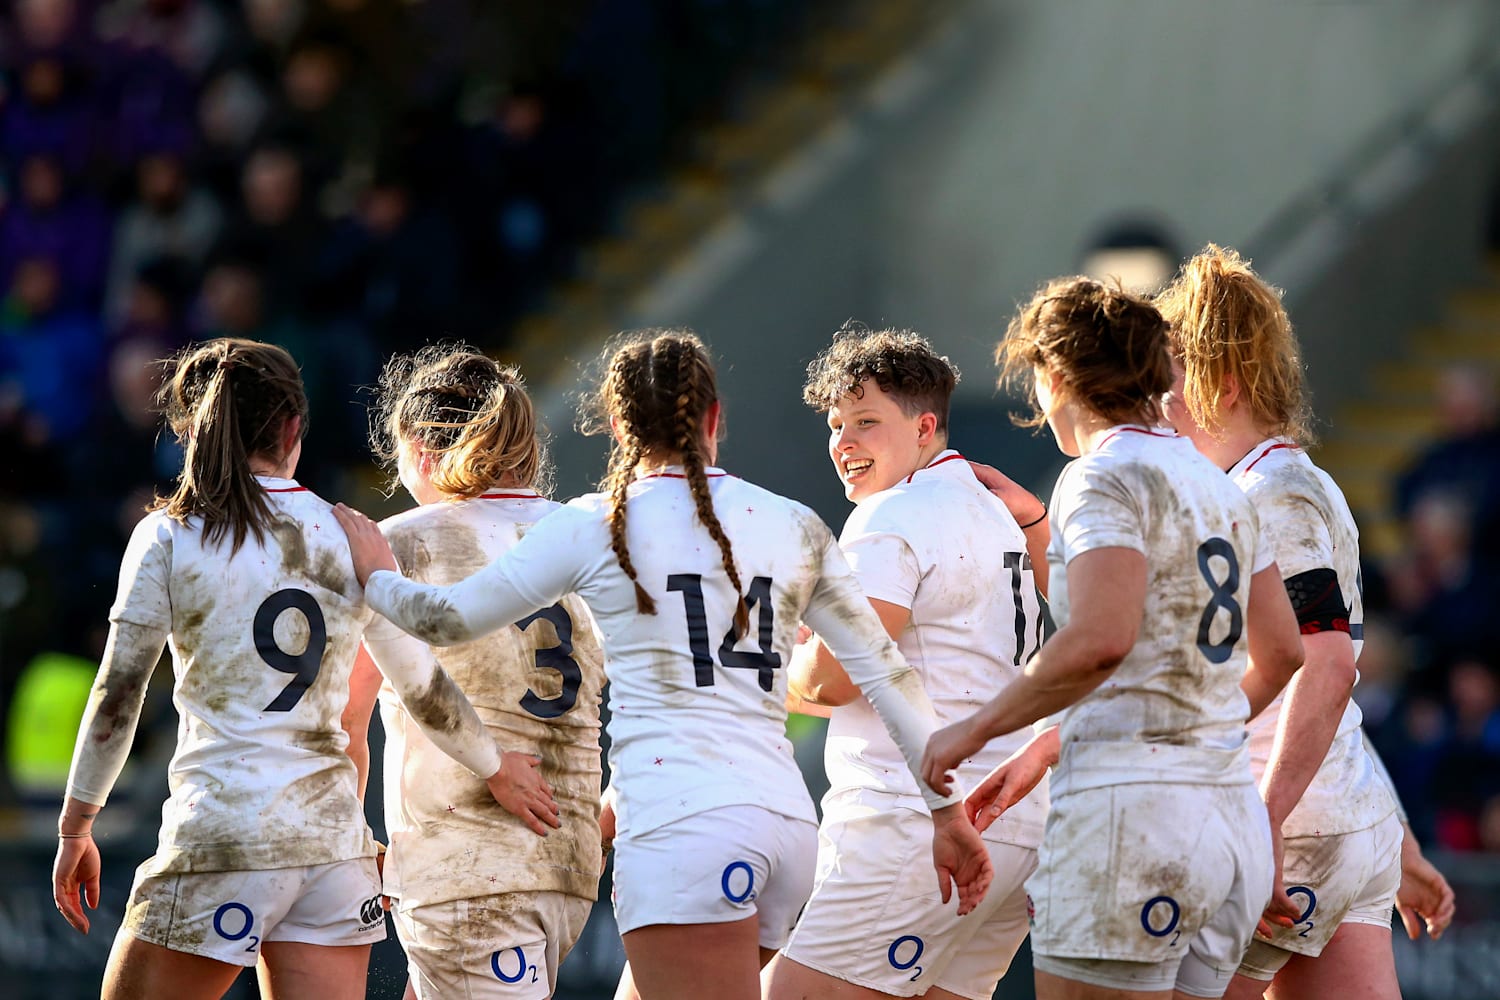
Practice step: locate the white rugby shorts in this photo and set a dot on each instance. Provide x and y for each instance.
(227, 915)
(507, 946)
(876, 919)
(1151, 886)
(1344, 878)
(717, 866)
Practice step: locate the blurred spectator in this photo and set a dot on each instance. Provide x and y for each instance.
(69, 227)
(50, 355)
(1445, 593)
(1467, 771)
(191, 33)
(277, 224)
(398, 264)
(1464, 462)
(169, 218)
(49, 115)
(154, 303)
(231, 109)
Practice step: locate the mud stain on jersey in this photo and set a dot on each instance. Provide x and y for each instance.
(293, 545)
(440, 707)
(429, 618)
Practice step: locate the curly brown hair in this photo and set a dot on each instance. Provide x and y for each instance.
(468, 411)
(901, 362)
(228, 400)
(1109, 346)
(658, 386)
(1226, 320)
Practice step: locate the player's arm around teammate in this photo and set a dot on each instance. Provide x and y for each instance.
(928, 543)
(698, 751)
(1238, 396)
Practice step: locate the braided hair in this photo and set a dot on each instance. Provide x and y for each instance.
(657, 388)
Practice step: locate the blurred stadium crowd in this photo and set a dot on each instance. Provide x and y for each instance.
(347, 177)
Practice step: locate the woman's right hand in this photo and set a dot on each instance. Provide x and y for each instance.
(76, 870)
(960, 857)
(367, 546)
(522, 791)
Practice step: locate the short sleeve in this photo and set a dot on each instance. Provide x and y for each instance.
(882, 559)
(1294, 532)
(1097, 510)
(143, 597)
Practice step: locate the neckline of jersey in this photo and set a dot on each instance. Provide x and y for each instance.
(709, 472)
(1268, 449)
(947, 455)
(266, 481)
(527, 495)
(1135, 429)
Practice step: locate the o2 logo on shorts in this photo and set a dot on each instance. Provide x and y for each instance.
(1159, 918)
(371, 913)
(729, 880)
(910, 963)
(497, 966)
(233, 921)
(1307, 911)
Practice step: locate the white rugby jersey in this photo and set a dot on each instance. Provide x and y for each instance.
(941, 545)
(536, 685)
(1307, 522)
(698, 719)
(1173, 709)
(262, 645)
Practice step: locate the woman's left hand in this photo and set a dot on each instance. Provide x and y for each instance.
(368, 547)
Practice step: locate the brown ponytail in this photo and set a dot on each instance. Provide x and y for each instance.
(228, 400)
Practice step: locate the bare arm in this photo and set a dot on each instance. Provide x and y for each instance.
(816, 676)
(1310, 713)
(364, 687)
(1274, 640)
(1111, 583)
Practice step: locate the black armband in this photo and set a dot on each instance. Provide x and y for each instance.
(1318, 601)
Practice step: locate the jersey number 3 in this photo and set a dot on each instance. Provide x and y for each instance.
(763, 660)
(559, 658)
(303, 666)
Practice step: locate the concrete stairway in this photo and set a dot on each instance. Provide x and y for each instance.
(1371, 442)
(848, 45)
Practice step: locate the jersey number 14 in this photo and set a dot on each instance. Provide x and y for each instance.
(758, 599)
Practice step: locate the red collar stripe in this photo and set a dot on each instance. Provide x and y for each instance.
(1135, 430)
(507, 496)
(290, 489)
(1268, 451)
(955, 457)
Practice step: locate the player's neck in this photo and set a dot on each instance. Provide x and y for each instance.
(1233, 441)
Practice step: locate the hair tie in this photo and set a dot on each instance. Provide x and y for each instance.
(225, 364)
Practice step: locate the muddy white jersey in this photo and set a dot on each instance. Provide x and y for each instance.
(1307, 522)
(1173, 709)
(262, 643)
(941, 545)
(697, 717)
(537, 687)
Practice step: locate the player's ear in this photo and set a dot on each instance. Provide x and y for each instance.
(1229, 394)
(926, 428)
